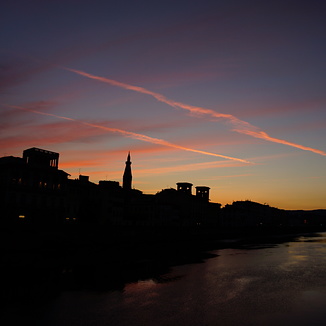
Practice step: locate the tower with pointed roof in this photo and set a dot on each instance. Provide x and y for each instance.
(127, 176)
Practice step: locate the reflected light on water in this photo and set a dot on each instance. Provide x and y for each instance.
(141, 285)
(283, 284)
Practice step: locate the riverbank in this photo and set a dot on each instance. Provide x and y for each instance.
(39, 264)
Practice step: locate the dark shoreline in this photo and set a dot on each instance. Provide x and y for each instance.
(38, 265)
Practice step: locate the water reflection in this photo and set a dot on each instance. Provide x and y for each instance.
(248, 284)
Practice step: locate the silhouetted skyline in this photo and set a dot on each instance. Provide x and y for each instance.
(229, 95)
(35, 192)
(71, 234)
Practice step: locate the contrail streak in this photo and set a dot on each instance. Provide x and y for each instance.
(263, 135)
(131, 134)
(239, 126)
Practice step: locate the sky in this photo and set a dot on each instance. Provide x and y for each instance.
(228, 94)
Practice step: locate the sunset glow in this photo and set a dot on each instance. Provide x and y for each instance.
(229, 95)
(240, 126)
(133, 135)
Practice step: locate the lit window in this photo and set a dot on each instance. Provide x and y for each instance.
(21, 216)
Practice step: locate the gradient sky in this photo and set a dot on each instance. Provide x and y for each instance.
(227, 94)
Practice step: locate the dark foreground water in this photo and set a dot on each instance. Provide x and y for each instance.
(270, 284)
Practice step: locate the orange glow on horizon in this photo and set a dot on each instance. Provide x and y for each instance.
(187, 167)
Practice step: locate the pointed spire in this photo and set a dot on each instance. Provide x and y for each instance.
(127, 176)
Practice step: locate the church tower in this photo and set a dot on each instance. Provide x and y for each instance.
(127, 176)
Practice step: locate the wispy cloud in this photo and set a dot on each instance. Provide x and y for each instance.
(187, 167)
(19, 134)
(265, 136)
(75, 163)
(130, 134)
(238, 125)
(145, 172)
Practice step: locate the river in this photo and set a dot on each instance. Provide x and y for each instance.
(249, 284)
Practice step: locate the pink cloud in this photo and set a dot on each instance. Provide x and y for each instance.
(45, 134)
(187, 167)
(130, 134)
(13, 115)
(265, 136)
(237, 124)
(270, 109)
(79, 163)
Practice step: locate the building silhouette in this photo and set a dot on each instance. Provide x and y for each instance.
(41, 158)
(202, 192)
(185, 187)
(35, 191)
(127, 176)
(32, 187)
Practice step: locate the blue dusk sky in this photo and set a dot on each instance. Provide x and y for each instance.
(225, 94)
